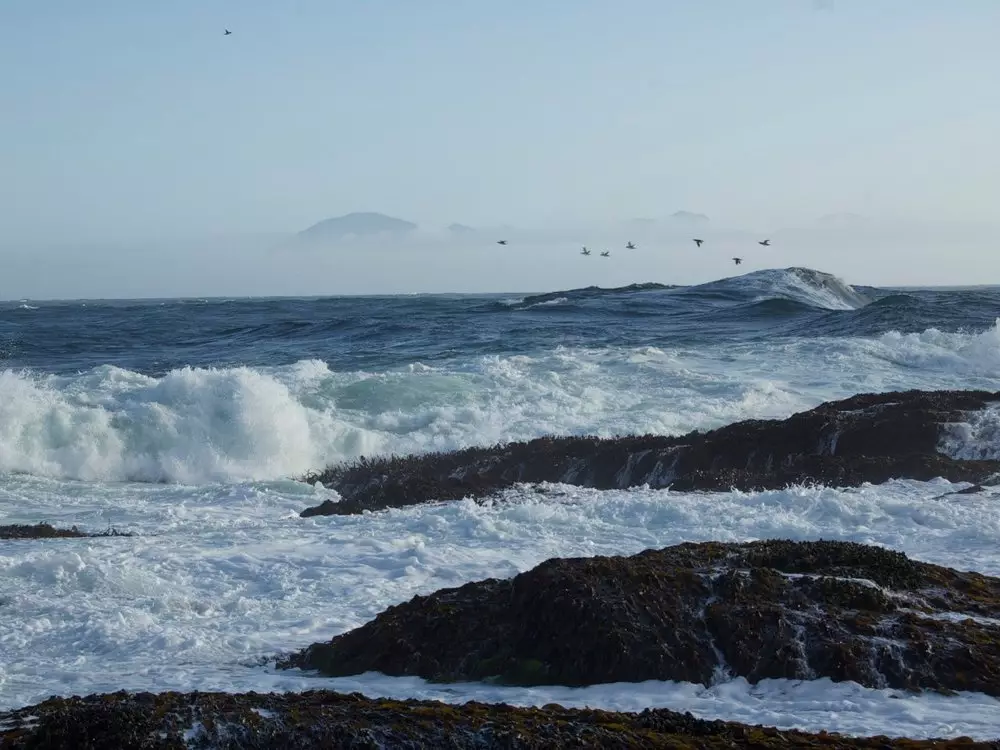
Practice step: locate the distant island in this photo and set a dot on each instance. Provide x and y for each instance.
(356, 224)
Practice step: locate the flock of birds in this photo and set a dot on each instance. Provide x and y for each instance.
(632, 246)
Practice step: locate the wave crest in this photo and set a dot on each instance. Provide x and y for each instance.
(816, 289)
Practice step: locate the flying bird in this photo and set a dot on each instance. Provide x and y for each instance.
(698, 242)
(737, 261)
(228, 32)
(501, 242)
(606, 254)
(765, 243)
(585, 251)
(629, 246)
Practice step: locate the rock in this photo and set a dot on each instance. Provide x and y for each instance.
(866, 438)
(322, 719)
(45, 531)
(692, 612)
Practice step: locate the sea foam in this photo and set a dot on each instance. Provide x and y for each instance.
(196, 425)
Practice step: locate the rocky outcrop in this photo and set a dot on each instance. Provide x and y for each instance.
(866, 438)
(321, 719)
(695, 612)
(46, 531)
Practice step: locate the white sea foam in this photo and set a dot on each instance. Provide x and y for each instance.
(238, 424)
(814, 288)
(225, 574)
(978, 438)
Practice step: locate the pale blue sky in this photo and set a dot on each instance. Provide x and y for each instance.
(125, 119)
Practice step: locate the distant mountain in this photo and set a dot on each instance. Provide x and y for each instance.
(356, 224)
(688, 217)
(460, 229)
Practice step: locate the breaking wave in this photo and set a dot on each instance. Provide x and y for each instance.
(195, 425)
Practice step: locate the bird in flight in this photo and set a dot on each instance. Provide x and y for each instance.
(228, 32)
(765, 243)
(585, 251)
(606, 254)
(698, 242)
(737, 261)
(501, 242)
(629, 246)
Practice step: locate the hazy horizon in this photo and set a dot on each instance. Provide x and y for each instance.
(144, 154)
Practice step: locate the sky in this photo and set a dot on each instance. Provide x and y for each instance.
(130, 125)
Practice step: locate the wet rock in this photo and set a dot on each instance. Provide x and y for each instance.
(322, 719)
(866, 438)
(694, 612)
(46, 531)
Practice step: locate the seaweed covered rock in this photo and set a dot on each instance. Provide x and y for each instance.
(694, 612)
(866, 438)
(321, 719)
(47, 531)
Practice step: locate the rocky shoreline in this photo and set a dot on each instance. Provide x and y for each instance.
(47, 531)
(694, 613)
(322, 719)
(865, 438)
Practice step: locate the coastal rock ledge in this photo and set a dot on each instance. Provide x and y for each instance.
(321, 719)
(697, 613)
(866, 438)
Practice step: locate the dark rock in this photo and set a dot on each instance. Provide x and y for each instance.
(46, 531)
(866, 438)
(774, 609)
(322, 719)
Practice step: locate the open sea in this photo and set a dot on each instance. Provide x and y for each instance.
(187, 422)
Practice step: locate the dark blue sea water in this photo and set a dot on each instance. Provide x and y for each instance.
(154, 337)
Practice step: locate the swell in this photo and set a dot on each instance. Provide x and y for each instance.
(807, 287)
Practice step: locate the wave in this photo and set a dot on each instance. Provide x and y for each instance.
(235, 424)
(809, 288)
(583, 293)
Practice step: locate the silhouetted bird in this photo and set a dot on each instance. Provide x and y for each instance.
(585, 251)
(606, 254)
(228, 32)
(737, 261)
(629, 246)
(698, 242)
(765, 243)
(501, 242)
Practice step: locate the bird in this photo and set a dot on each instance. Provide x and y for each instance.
(629, 246)
(228, 32)
(737, 261)
(501, 242)
(606, 254)
(765, 243)
(698, 242)
(585, 251)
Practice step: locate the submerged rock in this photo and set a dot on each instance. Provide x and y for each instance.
(322, 719)
(694, 612)
(46, 531)
(866, 438)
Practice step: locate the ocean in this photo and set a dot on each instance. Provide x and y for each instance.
(188, 422)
